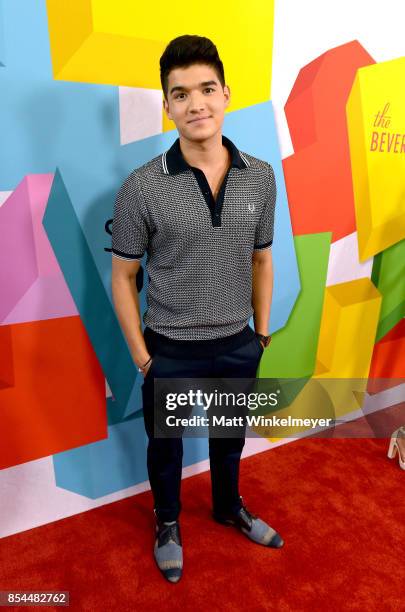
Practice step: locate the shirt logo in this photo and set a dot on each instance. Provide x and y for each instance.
(251, 207)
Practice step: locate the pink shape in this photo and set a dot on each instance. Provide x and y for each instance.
(33, 284)
(18, 261)
(47, 298)
(39, 187)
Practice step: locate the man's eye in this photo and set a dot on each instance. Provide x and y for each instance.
(209, 89)
(178, 96)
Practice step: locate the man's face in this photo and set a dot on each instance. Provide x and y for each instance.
(196, 101)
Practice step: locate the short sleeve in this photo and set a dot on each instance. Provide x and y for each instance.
(265, 227)
(130, 228)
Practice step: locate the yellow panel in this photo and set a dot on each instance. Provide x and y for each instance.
(125, 42)
(348, 327)
(103, 58)
(69, 24)
(346, 342)
(376, 125)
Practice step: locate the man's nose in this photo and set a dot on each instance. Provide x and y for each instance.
(196, 102)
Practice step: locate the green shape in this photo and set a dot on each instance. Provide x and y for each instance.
(82, 277)
(388, 276)
(293, 349)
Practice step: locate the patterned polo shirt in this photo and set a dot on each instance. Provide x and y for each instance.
(198, 250)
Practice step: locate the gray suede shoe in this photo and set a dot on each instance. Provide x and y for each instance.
(252, 526)
(168, 550)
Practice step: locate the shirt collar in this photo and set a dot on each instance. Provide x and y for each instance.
(173, 161)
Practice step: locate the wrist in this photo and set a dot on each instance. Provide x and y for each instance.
(144, 364)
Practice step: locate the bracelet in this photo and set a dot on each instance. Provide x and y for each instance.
(141, 368)
(266, 339)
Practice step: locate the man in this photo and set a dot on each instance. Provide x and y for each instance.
(204, 213)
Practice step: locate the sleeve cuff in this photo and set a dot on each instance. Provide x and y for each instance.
(126, 256)
(262, 246)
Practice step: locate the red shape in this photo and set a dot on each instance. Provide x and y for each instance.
(58, 398)
(318, 175)
(6, 358)
(388, 361)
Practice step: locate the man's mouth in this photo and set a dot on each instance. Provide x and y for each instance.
(198, 119)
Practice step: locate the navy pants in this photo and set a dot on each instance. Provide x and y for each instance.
(165, 455)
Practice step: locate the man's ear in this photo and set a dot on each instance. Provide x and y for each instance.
(227, 95)
(166, 107)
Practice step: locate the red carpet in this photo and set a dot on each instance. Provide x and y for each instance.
(339, 504)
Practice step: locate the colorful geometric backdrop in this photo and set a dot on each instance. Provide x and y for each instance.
(80, 107)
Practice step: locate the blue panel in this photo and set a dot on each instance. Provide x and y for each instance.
(116, 463)
(2, 42)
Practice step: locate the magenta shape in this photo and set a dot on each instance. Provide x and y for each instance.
(18, 260)
(44, 295)
(39, 187)
(47, 298)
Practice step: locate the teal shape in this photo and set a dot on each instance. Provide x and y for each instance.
(82, 277)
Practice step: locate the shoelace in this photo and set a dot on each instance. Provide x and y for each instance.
(169, 532)
(251, 516)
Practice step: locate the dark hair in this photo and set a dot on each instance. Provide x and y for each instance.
(186, 50)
